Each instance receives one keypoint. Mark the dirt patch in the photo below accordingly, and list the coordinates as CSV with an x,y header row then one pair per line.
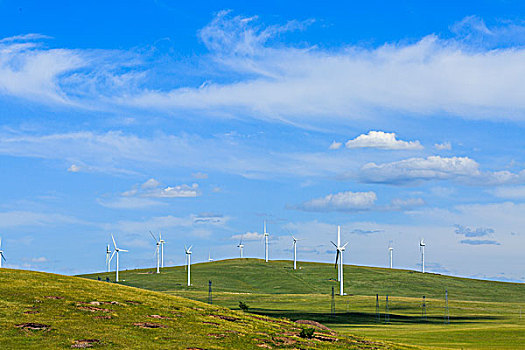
x,y
314,324
92,309
159,317
216,335
149,325
322,337
268,319
105,317
53,297
194,349
85,343
33,326
133,302
262,345
227,318
213,323
283,341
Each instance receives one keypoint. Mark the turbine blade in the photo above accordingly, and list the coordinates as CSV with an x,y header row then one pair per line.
x,y
336,258
335,245
152,236
124,250
344,246
113,238
112,255
3,257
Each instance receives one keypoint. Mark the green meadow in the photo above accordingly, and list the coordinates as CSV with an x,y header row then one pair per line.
x,y
482,314
48,311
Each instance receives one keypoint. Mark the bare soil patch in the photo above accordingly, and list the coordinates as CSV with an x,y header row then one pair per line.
x,y
160,317
92,309
85,343
33,326
227,318
149,325
53,297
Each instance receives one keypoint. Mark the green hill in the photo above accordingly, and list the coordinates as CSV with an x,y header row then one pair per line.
x,y
278,277
48,311
482,314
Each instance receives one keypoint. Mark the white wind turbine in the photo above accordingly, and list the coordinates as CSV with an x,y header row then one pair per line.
x,y
240,246
422,250
339,255
390,250
108,258
117,250
209,256
266,236
294,251
157,251
188,262
1,253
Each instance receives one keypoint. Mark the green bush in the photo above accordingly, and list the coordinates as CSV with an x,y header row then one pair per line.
x,y
243,306
307,333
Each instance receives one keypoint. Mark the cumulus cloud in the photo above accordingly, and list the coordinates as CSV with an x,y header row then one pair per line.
x,y
445,146
342,201
200,176
412,170
382,140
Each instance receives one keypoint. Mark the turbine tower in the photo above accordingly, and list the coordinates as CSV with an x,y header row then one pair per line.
x,y
209,256
266,235
240,246
339,256
390,250
117,250
422,250
108,258
157,251
188,262
1,253
161,241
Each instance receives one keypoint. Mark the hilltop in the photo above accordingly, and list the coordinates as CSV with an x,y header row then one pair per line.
x,y
48,311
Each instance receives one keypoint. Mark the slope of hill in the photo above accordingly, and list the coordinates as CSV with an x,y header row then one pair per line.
x,y
482,314
256,276
47,311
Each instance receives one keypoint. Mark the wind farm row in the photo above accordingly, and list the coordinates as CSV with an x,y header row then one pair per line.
x,y
340,248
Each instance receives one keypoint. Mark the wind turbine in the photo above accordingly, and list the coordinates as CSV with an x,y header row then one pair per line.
x,y
339,256
294,252
422,250
108,257
161,250
209,256
266,235
240,246
1,253
188,261
117,250
390,250
157,252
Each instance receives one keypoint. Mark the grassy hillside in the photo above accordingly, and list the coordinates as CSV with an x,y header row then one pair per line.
x,y
483,314
256,276
47,311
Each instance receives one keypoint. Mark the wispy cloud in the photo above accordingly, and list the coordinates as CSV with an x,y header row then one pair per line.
x,y
282,82
342,201
468,232
249,236
479,242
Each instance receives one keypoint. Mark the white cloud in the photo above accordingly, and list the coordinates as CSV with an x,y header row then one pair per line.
x,y
128,203
154,189
382,140
281,82
403,204
41,259
335,145
445,146
342,201
74,168
412,170
249,236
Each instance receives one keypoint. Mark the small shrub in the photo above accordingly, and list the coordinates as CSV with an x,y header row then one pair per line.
x,y
243,306
307,333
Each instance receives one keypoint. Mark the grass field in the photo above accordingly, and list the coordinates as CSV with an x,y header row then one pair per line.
x,y
483,314
47,311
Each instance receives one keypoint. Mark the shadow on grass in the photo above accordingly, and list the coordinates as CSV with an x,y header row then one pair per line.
x,y
363,318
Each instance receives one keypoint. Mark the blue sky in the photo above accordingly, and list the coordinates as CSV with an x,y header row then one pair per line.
x,y
200,120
